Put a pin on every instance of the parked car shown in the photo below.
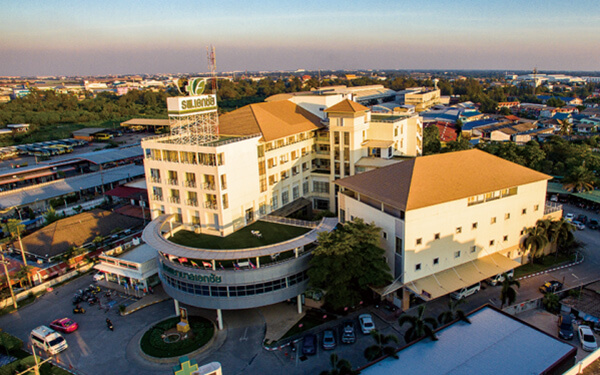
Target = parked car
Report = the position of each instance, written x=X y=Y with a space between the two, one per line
x=578 y=224
x=309 y=344
x=593 y=224
x=565 y=327
x=499 y=278
x=98 y=276
x=329 y=339
x=569 y=217
x=466 y=291
x=587 y=338
x=582 y=218
x=552 y=286
x=64 y=325
x=366 y=323
x=348 y=337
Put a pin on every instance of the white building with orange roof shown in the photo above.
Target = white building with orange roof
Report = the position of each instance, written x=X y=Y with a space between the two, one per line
x=449 y=220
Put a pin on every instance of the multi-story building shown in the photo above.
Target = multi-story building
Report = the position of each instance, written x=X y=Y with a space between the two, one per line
x=269 y=155
x=449 y=220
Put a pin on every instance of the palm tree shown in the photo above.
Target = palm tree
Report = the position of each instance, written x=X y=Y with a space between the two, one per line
x=561 y=233
x=565 y=127
x=579 y=180
x=453 y=313
x=535 y=241
x=339 y=366
x=24 y=275
x=508 y=294
x=379 y=349
x=419 y=325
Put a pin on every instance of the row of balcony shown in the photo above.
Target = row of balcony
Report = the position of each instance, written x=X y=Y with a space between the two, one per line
x=187 y=183
x=189 y=202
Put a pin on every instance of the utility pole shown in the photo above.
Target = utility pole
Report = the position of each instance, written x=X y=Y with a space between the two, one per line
x=12 y=293
x=36 y=366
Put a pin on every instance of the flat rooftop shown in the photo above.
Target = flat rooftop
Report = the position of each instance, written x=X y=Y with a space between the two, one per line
x=139 y=254
x=494 y=343
x=271 y=233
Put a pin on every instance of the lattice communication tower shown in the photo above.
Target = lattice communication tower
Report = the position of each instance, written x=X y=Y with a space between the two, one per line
x=193 y=117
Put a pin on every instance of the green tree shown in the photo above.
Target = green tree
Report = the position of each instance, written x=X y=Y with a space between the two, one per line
x=505 y=111
x=535 y=241
x=579 y=180
x=339 y=366
x=420 y=326
x=453 y=312
x=458 y=145
x=555 y=102
x=508 y=295
x=381 y=346
x=561 y=234
x=24 y=276
x=347 y=261
x=51 y=216
x=551 y=302
x=431 y=140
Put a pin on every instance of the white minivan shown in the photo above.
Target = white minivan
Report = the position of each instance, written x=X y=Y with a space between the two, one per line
x=48 y=340
x=499 y=278
x=466 y=291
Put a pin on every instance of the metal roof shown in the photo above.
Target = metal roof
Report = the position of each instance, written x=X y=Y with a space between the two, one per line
x=103 y=156
x=494 y=343
x=153 y=236
x=58 y=188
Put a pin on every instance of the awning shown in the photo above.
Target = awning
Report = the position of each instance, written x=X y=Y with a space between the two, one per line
x=447 y=281
x=391 y=288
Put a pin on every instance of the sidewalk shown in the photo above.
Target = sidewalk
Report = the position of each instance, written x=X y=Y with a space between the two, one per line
x=159 y=295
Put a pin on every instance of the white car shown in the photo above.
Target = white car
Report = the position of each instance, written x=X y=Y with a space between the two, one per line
x=578 y=224
x=569 y=217
x=99 y=276
x=366 y=323
x=587 y=338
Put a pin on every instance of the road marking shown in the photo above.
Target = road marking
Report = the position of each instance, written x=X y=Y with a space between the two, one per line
x=575 y=276
x=245 y=336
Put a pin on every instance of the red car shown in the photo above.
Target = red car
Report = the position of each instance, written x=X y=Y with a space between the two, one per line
x=65 y=325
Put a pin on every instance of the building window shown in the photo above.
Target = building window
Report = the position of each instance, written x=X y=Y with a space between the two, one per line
x=384 y=234
x=398 y=245
x=418 y=267
x=305 y=187
x=493 y=221
x=294 y=155
x=274 y=202
x=507 y=216
x=295 y=192
x=285 y=197
x=505 y=238
x=342 y=216
x=272 y=162
x=473 y=248
x=536 y=207
x=457 y=254
x=458 y=229
x=346 y=138
x=436 y=261
x=225 y=202
x=436 y=236
x=474 y=225
x=283 y=158
x=524 y=211
x=419 y=241
x=320 y=187
x=223 y=182
x=492 y=242
x=285 y=175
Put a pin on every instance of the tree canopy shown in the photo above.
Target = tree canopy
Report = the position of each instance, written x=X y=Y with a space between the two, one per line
x=347 y=261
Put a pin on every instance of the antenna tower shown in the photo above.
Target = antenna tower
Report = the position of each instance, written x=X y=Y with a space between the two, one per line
x=534 y=80
x=212 y=66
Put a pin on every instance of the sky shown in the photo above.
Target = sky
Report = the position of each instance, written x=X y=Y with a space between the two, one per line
x=53 y=37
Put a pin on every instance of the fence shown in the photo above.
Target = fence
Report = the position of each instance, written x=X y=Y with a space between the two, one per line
x=39 y=288
x=288 y=221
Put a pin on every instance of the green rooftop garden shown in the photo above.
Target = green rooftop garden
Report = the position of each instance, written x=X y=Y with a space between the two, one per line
x=271 y=233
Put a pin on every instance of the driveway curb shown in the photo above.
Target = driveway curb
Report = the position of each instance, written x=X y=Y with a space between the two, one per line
x=553 y=269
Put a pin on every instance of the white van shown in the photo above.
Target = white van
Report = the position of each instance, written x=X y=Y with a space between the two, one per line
x=466 y=291
x=499 y=278
x=48 y=340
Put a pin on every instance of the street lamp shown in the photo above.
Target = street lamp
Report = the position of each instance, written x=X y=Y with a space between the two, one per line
x=4 y=263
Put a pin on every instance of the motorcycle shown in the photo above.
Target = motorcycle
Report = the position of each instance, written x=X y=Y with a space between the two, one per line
x=109 y=324
x=78 y=310
x=92 y=300
x=94 y=289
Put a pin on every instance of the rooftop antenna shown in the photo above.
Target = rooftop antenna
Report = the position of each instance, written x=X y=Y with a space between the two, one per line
x=212 y=66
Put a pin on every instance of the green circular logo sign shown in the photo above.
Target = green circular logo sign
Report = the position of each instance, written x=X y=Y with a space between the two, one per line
x=196 y=86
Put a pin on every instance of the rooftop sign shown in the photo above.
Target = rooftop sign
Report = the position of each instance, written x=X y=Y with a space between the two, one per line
x=186 y=105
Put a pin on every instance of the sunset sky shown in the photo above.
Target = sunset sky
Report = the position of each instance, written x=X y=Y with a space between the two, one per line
x=83 y=37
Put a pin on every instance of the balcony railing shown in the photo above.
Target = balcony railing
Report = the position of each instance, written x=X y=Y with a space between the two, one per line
x=173 y=182
x=190 y=184
x=192 y=202
x=174 y=199
x=208 y=186
x=210 y=205
x=552 y=207
x=157 y=197
x=155 y=180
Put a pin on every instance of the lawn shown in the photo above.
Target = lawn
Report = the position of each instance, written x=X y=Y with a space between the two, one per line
x=154 y=345
x=243 y=238
x=549 y=261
